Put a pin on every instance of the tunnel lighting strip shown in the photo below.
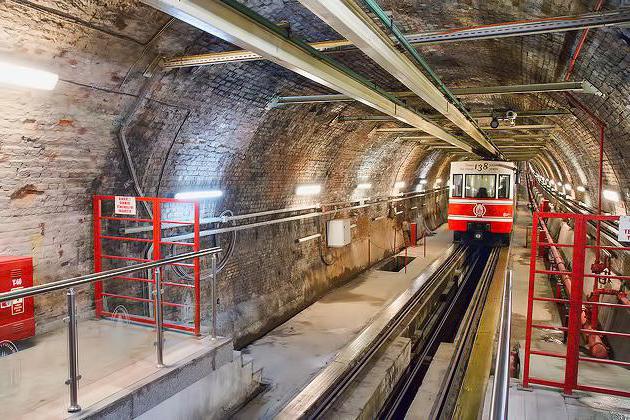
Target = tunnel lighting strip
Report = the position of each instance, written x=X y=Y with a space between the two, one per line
x=611 y=195
x=26 y=77
x=309 y=238
x=191 y=195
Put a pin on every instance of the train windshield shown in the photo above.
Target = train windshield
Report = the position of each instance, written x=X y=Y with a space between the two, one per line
x=504 y=186
x=481 y=186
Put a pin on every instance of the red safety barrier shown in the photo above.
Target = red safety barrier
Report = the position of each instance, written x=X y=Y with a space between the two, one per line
x=582 y=323
x=150 y=233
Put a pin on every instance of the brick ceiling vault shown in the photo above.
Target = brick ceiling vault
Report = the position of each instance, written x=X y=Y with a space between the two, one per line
x=207 y=127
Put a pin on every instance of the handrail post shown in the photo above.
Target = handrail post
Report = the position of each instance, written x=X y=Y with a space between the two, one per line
x=213 y=292
x=73 y=355
x=501 y=386
x=159 y=319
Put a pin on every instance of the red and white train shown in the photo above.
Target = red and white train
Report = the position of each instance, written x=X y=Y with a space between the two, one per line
x=481 y=200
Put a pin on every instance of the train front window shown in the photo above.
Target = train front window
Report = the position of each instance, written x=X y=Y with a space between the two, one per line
x=457 y=185
x=480 y=186
x=504 y=186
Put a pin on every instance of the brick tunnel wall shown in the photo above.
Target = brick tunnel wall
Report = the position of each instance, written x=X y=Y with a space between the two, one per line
x=210 y=127
x=192 y=128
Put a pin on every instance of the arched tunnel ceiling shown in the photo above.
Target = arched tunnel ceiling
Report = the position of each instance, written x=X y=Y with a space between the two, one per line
x=211 y=126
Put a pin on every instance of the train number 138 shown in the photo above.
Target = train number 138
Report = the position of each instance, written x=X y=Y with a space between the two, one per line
x=481 y=167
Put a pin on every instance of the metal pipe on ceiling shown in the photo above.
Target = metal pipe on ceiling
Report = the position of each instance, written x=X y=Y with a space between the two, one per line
x=576 y=87
x=524 y=127
x=486 y=114
x=239 y=25
x=349 y=20
x=507 y=29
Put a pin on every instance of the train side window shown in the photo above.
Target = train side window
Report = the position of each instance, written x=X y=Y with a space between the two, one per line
x=480 y=186
x=504 y=186
x=457 y=185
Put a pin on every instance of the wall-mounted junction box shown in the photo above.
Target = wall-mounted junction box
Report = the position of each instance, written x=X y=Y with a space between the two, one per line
x=338 y=233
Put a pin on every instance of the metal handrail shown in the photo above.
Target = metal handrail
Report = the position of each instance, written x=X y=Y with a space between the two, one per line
x=501 y=386
x=103 y=275
x=73 y=349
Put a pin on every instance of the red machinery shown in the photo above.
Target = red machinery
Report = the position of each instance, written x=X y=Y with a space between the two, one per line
x=481 y=200
x=17 y=320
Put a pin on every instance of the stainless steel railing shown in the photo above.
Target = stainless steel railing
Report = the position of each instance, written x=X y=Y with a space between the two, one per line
x=501 y=386
x=71 y=283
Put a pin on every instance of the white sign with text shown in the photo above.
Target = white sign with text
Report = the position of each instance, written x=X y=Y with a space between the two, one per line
x=125 y=205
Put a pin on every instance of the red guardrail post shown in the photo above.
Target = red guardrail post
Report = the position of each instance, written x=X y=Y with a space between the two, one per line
x=530 y=300
x=575 y=305
x=197 y=269
x=98 y=262
x=157 y=239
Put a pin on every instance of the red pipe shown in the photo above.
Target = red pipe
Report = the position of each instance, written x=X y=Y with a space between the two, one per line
x=595 y=344
x=580 y=44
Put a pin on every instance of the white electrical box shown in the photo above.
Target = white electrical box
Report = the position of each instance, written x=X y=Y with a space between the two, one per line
x=338 y=233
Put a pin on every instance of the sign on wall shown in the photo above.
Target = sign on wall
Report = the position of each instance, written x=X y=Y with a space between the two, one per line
x=125 y=205
x=624 y=229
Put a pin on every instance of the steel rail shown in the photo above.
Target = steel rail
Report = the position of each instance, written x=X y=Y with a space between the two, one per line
x=103 y=275
x=322 y=392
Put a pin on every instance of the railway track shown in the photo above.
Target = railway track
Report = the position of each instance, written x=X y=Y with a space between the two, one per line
x=447 y=297
x=456 y=316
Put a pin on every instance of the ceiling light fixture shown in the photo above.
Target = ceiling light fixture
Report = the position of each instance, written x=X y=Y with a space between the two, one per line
x=611 y=195
x=308 y=189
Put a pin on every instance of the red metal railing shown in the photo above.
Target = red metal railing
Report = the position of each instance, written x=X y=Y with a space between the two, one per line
x=582 y=322
x=151 y=235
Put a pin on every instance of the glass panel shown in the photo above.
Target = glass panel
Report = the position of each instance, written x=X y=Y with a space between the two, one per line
x=33 y=370
x=504 y=186
x=481 y=186
x=457 y=185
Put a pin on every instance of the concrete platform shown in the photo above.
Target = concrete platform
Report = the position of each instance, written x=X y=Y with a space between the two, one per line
x=118 y=368
x=293 y=353
x=547 y=313
x=422 y=404
x=547 y=404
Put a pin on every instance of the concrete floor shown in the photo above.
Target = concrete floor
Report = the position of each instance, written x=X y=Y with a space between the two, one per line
x=293 y=353
x=112 y=356
x=547 y=313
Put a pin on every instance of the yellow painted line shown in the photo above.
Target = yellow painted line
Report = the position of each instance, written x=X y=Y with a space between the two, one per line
x=475 y=382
